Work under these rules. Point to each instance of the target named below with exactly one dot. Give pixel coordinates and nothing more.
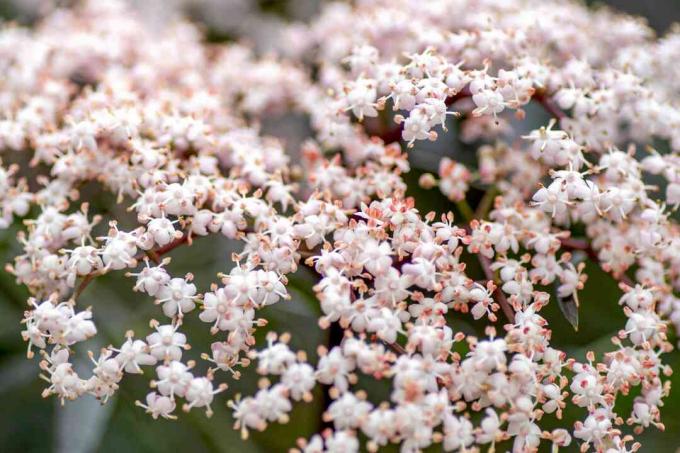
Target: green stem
(486, 202)
(465, 210)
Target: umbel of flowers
(90, 95)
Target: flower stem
(465, 210)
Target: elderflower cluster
(91, 98)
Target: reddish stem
(585, 247)
(394, 134)
(549, 105)
(540, 96)
(153, 254)
(166, 248)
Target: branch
(583, 245)
(395, 347)
(549, 105)
(166, 248)
(394, 134)
(153, 254)
(540, 96)
(84, 282)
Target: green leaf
(569, 309)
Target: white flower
(348, 411)
(162, 231)
(101, 122)
(84, 260)
(158, 406)
(416, 126)
(298, 378)
(134, 353)
(200, 393)
(220, 308)
(361, 97)
(151, 279)
(166, 343)
(275, 358)
(173, 378)
(488, 102)
(178, 297)
(334, 368)
(458, 432)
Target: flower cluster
(91, 99)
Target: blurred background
(29, 423)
